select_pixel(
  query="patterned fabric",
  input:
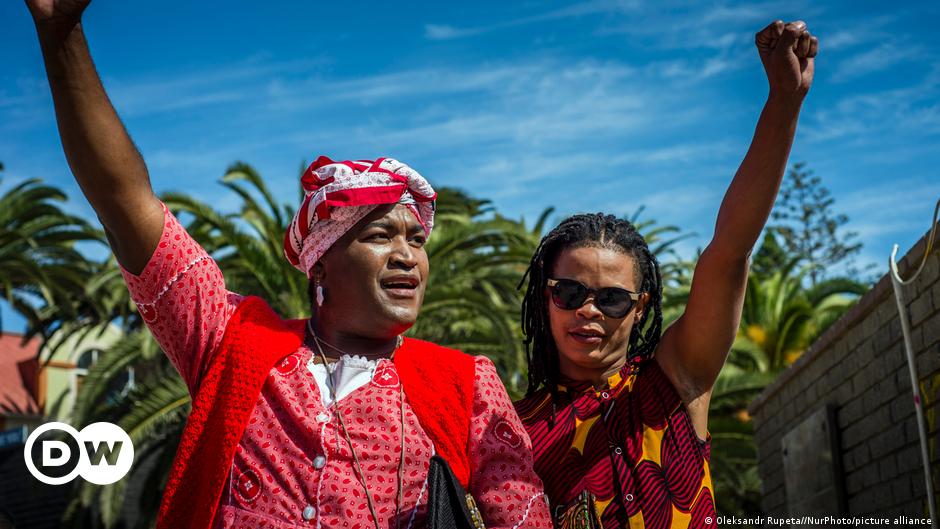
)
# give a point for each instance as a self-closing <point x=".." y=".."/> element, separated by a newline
<point x="582" y="514"/>
<point x="340" y="194"/>
<point x="633" y="446"/>
<point x="292" y="459"/>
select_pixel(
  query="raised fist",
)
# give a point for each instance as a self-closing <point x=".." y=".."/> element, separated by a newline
<point x="56" y="12"/>
<point x="788" y="52"/>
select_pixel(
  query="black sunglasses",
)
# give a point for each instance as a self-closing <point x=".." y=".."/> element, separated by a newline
<point x="614" y="302"/>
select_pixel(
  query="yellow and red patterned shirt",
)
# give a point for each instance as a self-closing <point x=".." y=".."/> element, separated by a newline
<point x="632" y="446"/>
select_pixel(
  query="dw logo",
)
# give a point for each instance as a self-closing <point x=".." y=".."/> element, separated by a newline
<point x="101" y="453"/>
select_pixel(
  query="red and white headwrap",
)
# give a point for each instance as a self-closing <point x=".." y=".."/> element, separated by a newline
<point x="340" y="194"/>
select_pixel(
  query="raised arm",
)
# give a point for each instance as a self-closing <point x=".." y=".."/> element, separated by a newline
<point x="104" y="160"/>
<point x="693" y="350"/>
<point x="181" y="293"/>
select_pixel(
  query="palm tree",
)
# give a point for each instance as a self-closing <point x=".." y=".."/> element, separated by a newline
<point x="662" y="239"/>
<point x="780" y="321"/>
<point x="472" y="303"/>
<point x="42" y="270"/>
<point x="248" y="244"/>
<point x="733" y="459"/>
<point x="474" y="260"/>
<point x="153" y="413"/>
<point x="782" y="317"/>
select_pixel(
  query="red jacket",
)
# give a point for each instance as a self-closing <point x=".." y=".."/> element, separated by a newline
<point x="438" y="383"/>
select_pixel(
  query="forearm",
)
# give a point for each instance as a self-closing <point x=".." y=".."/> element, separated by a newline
<point x="750" y="197"/>
<point x="101" y="155"/>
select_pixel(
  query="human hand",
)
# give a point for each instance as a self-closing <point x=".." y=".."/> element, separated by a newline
<point x="56" y="13"/>
<point x="788" y="53"/>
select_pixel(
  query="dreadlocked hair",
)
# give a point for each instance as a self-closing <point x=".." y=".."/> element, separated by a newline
<point x="578" y="231"/>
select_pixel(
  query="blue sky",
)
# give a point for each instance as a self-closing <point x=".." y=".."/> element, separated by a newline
<point x="597" y="105"/>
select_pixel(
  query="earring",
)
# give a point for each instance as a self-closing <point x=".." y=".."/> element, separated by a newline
<point x="319" y="296"/>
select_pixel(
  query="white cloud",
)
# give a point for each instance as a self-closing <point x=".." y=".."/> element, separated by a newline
<point x="172" y="91"/>
<point x="322" y="91"/>
<point x="550" y="127"/>
<point x="446" y="32"/>
<point x="594" y="7"/>
<point x="526" y="104"/>
<point x="842" y="39"/>
<point x="870" y="117"/>
<point x="674" y="203"/>
<point x="692" y="26"/>
<point x="861" y="31"/>
<point x="877" y="59"/>
<point x="881" y="202"/>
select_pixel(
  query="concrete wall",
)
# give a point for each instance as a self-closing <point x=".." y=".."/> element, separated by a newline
<point x="859" y="367"/>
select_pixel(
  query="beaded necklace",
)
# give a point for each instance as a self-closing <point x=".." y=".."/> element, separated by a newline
<point x="342" y="424"/>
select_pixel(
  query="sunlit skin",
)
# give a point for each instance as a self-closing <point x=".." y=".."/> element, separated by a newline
<point x="596" y="268"/>
<point x="362" y="312"/>
<point x="691" y="352"/>
<point x="693" y="349"/>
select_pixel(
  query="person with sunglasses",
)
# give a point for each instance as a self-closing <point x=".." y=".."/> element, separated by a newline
<point x="617" y="408"/>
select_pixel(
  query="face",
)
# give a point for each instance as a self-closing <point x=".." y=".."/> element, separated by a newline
<point x="375" y="275"/>
<point x="590" y="343"/>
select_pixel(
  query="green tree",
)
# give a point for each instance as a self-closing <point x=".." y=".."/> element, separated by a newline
<point x="248" y="243"/>
<point x="472" y="303"/>
<point x="42" y="270"/>
<point x="153" y="413"/>
<point x="733" y="460"/>
<point x="476" y="259"/>
<point x="782" y="317"/>
<point x="809" y="228"/>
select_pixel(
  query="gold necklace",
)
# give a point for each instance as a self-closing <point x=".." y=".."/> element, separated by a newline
<point x="342" y="424"/>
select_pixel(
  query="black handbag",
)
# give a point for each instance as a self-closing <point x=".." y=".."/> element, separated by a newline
<point x="449" y="506"/>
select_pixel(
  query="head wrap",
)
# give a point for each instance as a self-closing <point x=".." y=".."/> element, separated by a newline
<point x="337" y="195"/>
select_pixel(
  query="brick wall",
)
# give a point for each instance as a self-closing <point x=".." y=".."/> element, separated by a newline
<point x="859" y="366"/>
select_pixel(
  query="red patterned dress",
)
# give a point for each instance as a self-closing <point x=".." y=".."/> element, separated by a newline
<point x="632" y="446"/>
<point x="292" y="468"/>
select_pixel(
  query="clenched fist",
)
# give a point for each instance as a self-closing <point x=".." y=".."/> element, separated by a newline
<point x="56" y="12"/>
<point x="787" y="52"/>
